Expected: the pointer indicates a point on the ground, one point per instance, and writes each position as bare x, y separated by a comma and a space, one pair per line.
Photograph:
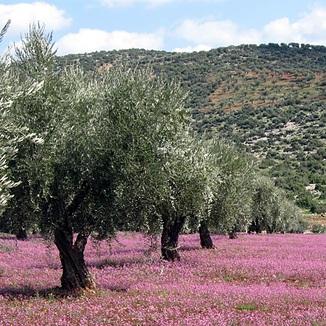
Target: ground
255, 280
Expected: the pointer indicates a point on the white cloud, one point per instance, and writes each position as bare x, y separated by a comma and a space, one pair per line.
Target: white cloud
281, 30
215, 33
23, 14
115, 3
309, 28
90, 40
149, 3
312, 25
197, 48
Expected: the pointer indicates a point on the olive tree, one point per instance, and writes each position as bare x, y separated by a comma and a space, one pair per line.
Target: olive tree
230, 188
11, 133
183, 198
6, 148
272, 211
266, 206
97, 130
171, 198
292, 218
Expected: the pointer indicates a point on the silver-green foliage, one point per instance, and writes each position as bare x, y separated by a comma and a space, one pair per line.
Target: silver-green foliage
11, 132
185, 180
272, 211
6, 148
230, 186
99, 132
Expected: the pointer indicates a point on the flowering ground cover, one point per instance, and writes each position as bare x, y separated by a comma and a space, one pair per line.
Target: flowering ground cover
253, 280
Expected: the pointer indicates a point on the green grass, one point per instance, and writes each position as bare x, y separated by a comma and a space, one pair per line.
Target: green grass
246, 307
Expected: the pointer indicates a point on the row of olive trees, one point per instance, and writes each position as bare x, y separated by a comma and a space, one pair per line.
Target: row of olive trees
234, 197
101, 152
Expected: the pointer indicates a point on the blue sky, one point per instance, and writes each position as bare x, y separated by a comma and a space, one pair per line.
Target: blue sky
81, 26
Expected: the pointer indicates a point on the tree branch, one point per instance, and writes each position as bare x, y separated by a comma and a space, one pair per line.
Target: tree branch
80, 196
4, 30
82, 238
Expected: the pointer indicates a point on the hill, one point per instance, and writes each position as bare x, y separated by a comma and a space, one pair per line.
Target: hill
268, 99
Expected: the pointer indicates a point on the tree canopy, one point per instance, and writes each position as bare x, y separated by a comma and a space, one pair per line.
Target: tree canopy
95, 131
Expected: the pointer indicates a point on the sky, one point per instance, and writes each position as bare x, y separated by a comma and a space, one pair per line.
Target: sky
82, 26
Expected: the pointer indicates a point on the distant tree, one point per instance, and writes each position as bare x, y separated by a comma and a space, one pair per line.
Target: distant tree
305, 199
272, 211
292, 220
230, 188
184, 192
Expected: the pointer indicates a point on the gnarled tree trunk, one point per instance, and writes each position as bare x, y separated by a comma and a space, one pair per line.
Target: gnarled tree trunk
205, 237
75, 274
170, 238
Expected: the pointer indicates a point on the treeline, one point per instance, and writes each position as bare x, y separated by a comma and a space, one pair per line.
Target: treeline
90, 153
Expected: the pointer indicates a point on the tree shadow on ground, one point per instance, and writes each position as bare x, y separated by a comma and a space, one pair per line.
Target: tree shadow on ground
123, 262
26, 292
117, 287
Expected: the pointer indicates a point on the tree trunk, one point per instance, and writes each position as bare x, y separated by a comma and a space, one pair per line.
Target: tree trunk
21, 234
255, 226
75, 274
233, 233
170, 238
205, 237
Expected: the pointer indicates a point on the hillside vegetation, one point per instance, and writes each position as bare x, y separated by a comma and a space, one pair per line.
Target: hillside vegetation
268, 99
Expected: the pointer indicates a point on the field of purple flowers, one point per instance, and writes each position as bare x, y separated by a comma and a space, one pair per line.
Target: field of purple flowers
253, 280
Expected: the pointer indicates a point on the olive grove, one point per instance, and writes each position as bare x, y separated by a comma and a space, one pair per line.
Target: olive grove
90, 153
